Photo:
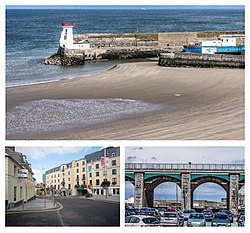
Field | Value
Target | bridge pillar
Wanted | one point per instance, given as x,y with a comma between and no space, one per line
149,198
234,193
186,191
139,192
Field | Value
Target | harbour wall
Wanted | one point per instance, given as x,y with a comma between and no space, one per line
151,39
130,46
201,60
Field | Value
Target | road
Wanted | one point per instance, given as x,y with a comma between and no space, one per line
75,212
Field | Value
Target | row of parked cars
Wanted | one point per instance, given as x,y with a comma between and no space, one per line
175,217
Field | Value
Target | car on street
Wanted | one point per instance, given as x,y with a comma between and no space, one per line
172,219
196,220
241,221
141,221
187,212
229,213
221,219
208,214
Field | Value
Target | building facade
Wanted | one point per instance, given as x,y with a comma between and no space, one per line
97,174
19,180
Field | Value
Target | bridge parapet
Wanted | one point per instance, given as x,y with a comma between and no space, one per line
185,167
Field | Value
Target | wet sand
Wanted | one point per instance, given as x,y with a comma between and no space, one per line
196,103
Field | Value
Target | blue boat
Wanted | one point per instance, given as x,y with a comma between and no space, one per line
224,45
215,49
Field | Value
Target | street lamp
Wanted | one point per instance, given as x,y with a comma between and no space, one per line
189,186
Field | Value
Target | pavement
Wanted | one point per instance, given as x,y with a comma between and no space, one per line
38,204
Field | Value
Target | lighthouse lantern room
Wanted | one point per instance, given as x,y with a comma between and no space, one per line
66,40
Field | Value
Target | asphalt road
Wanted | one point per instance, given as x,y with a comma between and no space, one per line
75,212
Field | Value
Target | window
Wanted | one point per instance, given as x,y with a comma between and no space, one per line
15,193
68,179
58,181
97,173
83,176
114,172
114,180
90,174
77,164
113,162
90,182
83,162
58,175
68,173
21,192
83,169
77,170
15,170
97,182
97,166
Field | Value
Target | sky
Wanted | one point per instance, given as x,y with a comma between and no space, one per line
45,158
167,190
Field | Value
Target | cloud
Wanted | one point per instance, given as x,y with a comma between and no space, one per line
37,175
38,153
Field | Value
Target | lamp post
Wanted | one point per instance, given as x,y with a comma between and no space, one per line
189,187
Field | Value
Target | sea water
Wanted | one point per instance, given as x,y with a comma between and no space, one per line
33,34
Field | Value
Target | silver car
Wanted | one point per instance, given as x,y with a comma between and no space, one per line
141,221
171,219
196,220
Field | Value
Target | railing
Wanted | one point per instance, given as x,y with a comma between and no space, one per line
185,166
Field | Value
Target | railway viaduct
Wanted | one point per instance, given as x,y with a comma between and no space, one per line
188,176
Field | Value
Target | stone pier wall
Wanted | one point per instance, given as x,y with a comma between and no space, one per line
202,60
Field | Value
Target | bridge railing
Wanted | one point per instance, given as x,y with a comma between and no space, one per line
184,166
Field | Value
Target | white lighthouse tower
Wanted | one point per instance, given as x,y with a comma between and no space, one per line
66,40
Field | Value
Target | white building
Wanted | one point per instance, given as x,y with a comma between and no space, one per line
67,41
19,180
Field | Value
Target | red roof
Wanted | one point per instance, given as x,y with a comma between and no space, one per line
65,24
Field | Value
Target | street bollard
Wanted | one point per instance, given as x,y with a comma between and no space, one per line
23,204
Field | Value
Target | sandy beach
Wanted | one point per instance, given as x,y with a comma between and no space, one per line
195,103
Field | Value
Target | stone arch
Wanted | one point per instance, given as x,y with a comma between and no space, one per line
195,183
151,183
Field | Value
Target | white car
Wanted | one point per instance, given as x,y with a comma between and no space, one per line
141,221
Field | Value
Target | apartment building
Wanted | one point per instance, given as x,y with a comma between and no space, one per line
19,180
97,173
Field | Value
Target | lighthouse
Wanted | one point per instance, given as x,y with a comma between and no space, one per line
66,40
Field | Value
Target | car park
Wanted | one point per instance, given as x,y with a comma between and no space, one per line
187,212
141,221
196,220
172,218
221,219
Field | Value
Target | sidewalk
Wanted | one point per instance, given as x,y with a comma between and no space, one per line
40,203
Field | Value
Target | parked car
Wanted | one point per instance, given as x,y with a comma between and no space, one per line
196,220
229,214
172,219
187,212
240,213
241,221
141,221
221,219
208,214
